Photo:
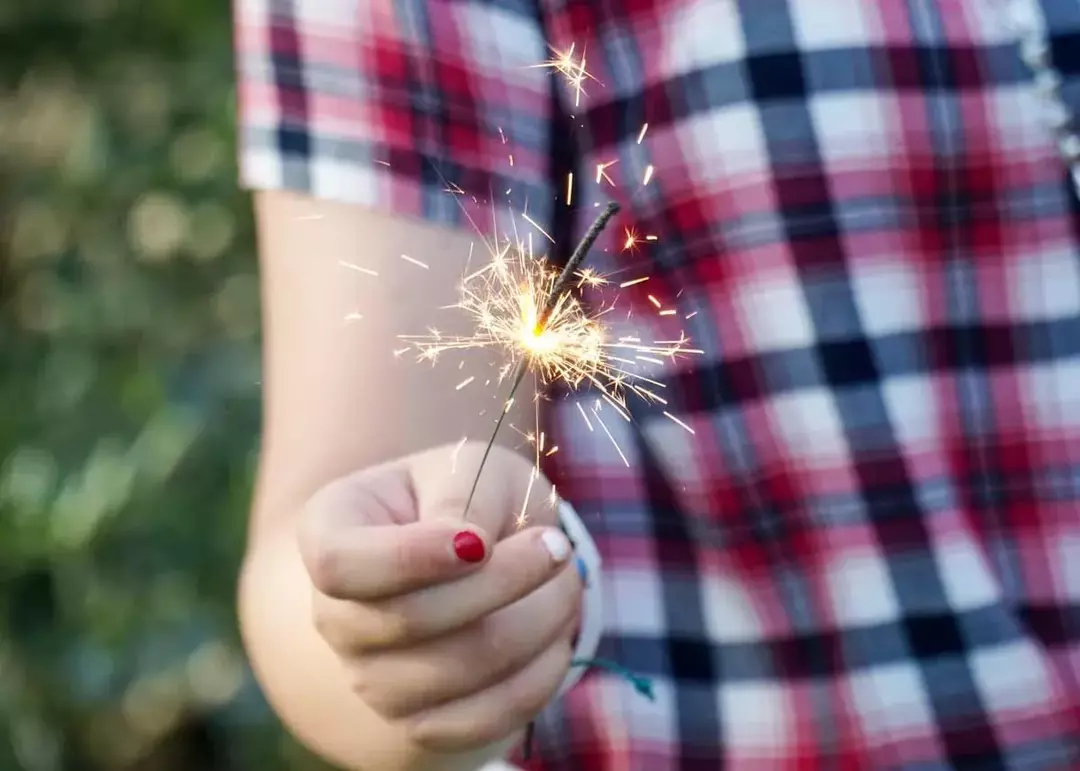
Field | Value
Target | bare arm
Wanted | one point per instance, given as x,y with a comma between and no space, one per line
336,400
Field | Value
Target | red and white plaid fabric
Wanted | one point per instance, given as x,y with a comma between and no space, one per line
867,553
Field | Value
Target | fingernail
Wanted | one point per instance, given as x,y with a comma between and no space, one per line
468,546
556,544
582,570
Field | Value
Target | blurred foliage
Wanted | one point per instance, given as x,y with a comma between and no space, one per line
129,384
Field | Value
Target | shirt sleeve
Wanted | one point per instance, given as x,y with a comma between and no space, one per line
418,108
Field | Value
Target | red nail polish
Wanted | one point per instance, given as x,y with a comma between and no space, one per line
468,546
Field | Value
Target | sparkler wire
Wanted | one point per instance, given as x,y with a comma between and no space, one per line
557,289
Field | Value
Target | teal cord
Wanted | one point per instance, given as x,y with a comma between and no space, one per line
642,685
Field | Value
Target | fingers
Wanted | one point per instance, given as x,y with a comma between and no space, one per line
401,682
496,713
429,610
518,566
509,492
398,528
374,562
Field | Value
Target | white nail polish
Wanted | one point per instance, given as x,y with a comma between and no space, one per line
556,543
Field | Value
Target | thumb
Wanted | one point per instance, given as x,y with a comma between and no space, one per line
361,539
509,491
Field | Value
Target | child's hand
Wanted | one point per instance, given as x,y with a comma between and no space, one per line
455,635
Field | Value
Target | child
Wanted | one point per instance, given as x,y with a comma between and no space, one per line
847,537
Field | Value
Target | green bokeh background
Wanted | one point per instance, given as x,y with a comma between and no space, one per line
129,385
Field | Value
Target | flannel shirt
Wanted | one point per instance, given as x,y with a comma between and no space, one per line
865,552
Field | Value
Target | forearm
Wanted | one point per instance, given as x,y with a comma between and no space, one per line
336,398
336,401
306,684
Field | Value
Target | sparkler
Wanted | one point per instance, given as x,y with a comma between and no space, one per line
527,309
557,299
524,307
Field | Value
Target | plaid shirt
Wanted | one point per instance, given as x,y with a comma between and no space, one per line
867,552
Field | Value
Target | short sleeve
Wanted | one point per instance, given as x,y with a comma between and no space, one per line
411,107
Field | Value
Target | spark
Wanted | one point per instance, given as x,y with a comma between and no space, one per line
591,278
677,422
607,431
455,453
414,261
571,68
530,311
542,232
633,239
585,417
522,518
505,301
358,268
601,172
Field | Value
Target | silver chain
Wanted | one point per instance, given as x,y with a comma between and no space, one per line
1029,26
